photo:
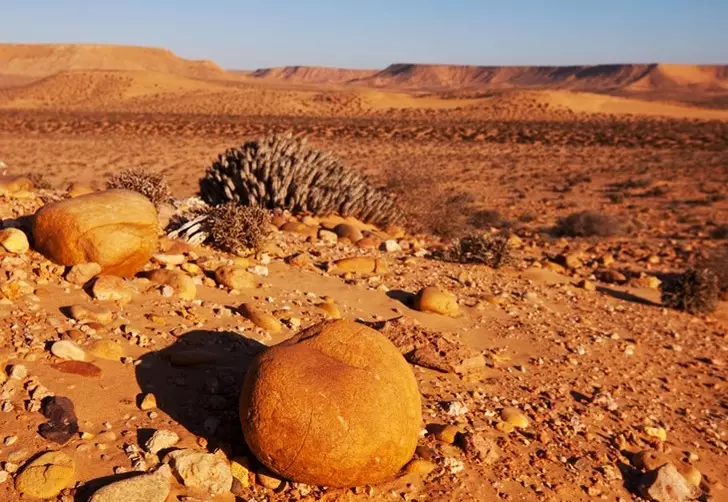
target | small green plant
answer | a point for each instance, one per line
(491, 250)
(151, 185)
(237, 229)
(695, 291)
(588, 224)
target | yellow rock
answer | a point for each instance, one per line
(268, 480)
(149, 402)
(515, 417)
(358, 265)
(587, 285)
(235, 277)
(447, 434)
(331, 309)
(14, 240)
(46, 476)
(15, 184)
(77, 189)
(260, 318)
(112, 288)
(106, 349)
(348, 231)
(242, 262)
(183, 285)
(90, 313)
(420, 467)
(504, 427)
(656, 432)
(240, 467)
(691, 474)
(191, 268)
(435, 300)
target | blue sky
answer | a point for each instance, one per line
(374, 33)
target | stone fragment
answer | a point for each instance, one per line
(259, 318)
(234, 277)
(62, 422)
(68, 351)
(161, 440)
(515, 417)
(81, 273)
(148, 402)
(182, 284)
(87, 314)
(112, 289)
(205, 471)
(106, 349)
(142, 488)
(46, 476)
(14, 241)
(666, 484)
(433, 299)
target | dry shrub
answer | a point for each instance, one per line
(491, 250)
(695, 291)
(720, 232)
(281, 172)
(717, 263)
(237, 229)
(151, 185)
(588, 224)
(487, 218)
(39, 181)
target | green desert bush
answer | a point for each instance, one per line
(281, 172)
(695, 291)
(588, 224)
(491, 250)
(151, 185)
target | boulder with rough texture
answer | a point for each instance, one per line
(437, 301)
(46, 476)
(14, 241)
(116, 229)
(336, 405)
(143, 488)
(206, 471)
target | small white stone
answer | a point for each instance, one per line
(392, 246)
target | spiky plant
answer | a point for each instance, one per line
(281, 172)
(491, 250)
(695, 291)
(151, 185)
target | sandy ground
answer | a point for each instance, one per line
(595, 372)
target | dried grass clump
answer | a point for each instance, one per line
(487, 218)
(491, 250)
(720, 232)
(151, 185)
(717, 263)
(236, 229)
(695, 291)
(588, 224)
(39, 181)
(282, 172)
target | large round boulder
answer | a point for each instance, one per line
(117, 229)
(336, 405)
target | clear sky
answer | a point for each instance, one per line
(250, 34)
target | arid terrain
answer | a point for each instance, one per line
(571, 332)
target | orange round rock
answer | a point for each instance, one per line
(116, 229)
(336, 405)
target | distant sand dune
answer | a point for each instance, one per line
(147, 80)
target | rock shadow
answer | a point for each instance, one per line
(197, 383)
(404, 297)
(628, 297)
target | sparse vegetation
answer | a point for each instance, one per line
(282, 172)
(491, 250)
(695, 291)
(720, 232)
(237, 229)
(718, 264)
(588, 224)
(151, 185)
(487, 218)
(39, 181)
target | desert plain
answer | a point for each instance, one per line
(571, 332)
